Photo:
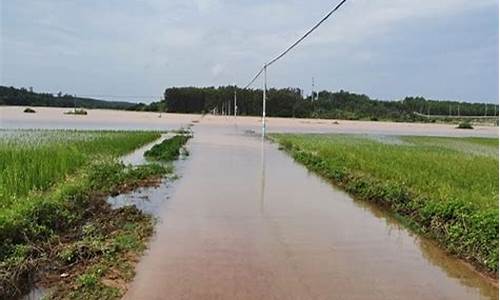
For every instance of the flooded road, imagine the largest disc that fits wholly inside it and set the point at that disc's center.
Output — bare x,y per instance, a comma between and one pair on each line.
246,222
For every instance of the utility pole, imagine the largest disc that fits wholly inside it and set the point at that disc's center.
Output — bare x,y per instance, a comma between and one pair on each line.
459,110
264,102
235,104
486,109
312,89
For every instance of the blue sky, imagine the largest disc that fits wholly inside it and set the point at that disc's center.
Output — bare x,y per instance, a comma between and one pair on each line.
387,49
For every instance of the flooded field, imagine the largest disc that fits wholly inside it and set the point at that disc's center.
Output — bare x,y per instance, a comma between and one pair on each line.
246,222
13,117
54,118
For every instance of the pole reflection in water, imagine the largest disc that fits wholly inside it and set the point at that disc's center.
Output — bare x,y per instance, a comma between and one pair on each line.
262,172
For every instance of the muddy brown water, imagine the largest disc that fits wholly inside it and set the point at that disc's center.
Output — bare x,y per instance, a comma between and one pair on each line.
246,222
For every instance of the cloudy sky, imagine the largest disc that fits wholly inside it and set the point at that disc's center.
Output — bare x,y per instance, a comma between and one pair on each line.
134,49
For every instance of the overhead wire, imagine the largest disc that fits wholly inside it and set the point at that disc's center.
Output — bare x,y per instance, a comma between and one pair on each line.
272,61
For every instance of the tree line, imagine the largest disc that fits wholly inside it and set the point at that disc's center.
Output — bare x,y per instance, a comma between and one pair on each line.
285,102
27,97
289,102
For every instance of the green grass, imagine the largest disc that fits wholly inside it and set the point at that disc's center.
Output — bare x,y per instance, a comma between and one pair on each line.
167,150
51,181
445,187
34,160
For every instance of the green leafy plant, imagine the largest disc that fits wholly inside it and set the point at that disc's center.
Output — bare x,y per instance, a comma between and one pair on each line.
167,150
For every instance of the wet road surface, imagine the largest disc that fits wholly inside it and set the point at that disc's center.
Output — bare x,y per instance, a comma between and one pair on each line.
246,222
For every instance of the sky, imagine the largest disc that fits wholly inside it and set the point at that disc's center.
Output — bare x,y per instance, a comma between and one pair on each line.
133,49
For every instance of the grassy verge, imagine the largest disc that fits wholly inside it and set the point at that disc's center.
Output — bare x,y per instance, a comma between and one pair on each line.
169,149
90,254
446,188
52,185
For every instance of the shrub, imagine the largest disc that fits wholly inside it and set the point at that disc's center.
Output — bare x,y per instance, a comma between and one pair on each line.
29,110
465,125
167,150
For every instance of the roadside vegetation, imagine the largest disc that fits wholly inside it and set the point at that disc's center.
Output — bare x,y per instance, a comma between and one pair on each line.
169,149
55,225
445,188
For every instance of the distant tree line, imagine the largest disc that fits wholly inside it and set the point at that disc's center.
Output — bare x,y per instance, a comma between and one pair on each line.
290,102
286,102
27,97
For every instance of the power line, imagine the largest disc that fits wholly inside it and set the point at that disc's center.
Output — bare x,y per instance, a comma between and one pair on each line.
307,33
272,61
296,43
254,78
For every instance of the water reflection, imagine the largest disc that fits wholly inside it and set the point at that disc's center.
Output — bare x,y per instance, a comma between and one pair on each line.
262,173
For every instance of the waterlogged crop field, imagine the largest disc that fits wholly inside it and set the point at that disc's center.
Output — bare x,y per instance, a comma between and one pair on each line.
33,160
52,188
446,188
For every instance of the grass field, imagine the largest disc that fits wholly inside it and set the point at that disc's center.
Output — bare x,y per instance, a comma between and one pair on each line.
34,160
52,182
446,188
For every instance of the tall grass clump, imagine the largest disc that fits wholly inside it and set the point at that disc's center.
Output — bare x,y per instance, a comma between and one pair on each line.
446,188
168,149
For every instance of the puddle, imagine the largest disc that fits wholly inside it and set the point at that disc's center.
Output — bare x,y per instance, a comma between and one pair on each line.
148,199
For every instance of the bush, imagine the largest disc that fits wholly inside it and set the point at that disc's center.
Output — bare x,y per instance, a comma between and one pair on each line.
29,110
167,150
465,125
